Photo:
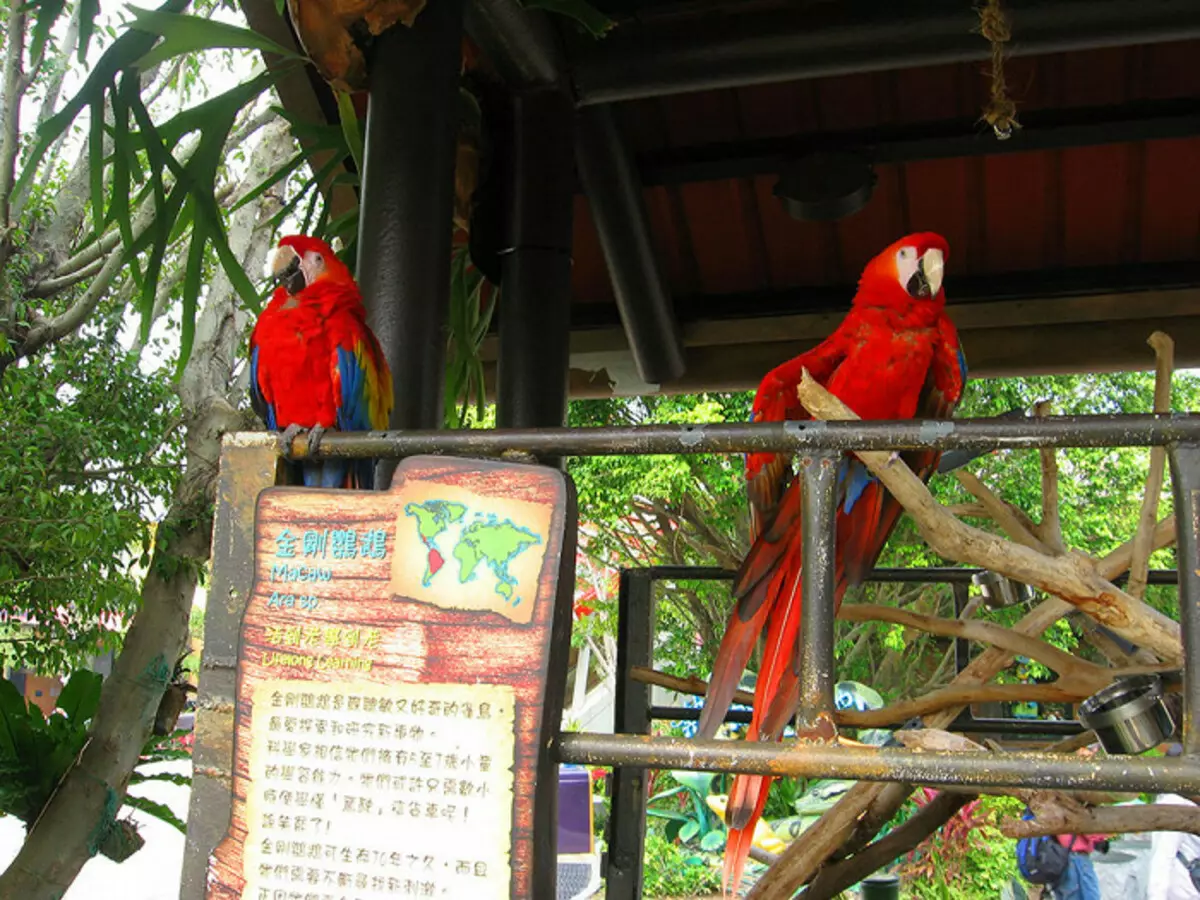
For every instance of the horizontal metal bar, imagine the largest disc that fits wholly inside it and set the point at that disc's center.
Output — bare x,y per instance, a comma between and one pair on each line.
965,725
945,769
784,42
965,434
1040,130
920,575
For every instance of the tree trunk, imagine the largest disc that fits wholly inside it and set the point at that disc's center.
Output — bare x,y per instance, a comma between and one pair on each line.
84,807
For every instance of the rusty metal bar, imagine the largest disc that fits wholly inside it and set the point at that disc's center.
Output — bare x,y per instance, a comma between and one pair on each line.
1185,481
942,769
814,654
776,437
918,575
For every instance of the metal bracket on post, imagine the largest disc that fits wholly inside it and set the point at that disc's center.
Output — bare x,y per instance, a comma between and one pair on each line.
1185,481
814,658
627,818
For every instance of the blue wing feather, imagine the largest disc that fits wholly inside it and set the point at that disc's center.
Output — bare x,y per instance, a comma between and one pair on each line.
257,400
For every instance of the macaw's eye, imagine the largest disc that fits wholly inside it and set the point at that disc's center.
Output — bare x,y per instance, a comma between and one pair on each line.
907,253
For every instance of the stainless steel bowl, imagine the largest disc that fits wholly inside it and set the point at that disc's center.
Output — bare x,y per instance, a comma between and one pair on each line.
1000,592
1128,716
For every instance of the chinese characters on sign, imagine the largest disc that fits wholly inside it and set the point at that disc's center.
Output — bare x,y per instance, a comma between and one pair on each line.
364,791
300,554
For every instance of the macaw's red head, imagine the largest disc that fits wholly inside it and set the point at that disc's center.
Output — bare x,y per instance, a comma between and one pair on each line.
909,270
299,262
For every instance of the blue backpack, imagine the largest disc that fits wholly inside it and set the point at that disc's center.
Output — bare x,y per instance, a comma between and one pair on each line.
1041,860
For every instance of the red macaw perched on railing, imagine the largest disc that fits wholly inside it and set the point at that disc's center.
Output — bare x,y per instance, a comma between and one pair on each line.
314,362
895,356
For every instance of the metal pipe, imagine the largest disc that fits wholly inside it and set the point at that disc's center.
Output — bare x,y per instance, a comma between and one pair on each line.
631,712
918,575
405,213
938,768
814,658
535,316
614,192
1185,482
966,725
817,40
952,139
775,437
519,42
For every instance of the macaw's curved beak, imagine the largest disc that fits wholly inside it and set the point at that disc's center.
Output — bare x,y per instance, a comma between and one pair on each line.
283,267
927,280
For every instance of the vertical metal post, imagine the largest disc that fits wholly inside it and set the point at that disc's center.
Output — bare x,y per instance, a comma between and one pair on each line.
627,819
1185,481
613,186
406,208
815,653
962,647
535,318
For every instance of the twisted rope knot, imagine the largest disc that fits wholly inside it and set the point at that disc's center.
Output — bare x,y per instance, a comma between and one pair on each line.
1001,110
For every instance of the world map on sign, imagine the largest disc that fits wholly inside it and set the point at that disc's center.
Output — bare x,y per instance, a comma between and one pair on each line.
480,543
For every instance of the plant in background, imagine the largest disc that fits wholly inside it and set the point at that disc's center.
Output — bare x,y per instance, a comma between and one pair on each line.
37,750
966,858
671,871
691,821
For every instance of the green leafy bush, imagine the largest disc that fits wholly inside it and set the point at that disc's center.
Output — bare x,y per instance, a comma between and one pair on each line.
37,750
673,871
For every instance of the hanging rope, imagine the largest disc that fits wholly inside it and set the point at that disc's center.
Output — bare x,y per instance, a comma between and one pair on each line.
1000,111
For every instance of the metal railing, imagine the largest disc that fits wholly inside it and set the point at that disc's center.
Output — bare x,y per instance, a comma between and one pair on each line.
819,444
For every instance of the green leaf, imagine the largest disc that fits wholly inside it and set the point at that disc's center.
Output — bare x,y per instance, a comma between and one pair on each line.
48,13
80,696
14,716
689,830
96,161
581,11
123,53
350,129
191,288
182,33
160,811
713,841
88,10
284,171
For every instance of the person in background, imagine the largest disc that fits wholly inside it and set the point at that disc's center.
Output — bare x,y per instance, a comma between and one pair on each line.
1170,854
1079,881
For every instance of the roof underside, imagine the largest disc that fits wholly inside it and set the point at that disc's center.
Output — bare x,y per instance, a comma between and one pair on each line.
1070,242
1062,259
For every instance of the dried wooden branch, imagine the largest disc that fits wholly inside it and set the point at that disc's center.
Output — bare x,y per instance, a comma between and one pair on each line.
1071,669
1071,576
970,510
1000,512
832,880
802,858
1120,559
697,687
1164,353
1050,528
1062,816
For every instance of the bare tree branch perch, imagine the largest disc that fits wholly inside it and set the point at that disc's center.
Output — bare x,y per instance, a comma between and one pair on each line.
1071,576
1164,354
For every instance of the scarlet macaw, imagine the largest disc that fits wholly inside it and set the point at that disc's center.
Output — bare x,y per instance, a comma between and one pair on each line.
895,356
314,362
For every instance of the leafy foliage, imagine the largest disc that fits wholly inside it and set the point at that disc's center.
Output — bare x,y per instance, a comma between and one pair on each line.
37,750
671,871
83,466
968,857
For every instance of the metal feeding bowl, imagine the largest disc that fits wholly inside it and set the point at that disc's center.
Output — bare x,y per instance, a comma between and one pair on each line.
1128,716
1000,592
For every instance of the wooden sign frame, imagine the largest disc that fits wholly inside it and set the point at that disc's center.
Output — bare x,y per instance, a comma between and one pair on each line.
433,595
